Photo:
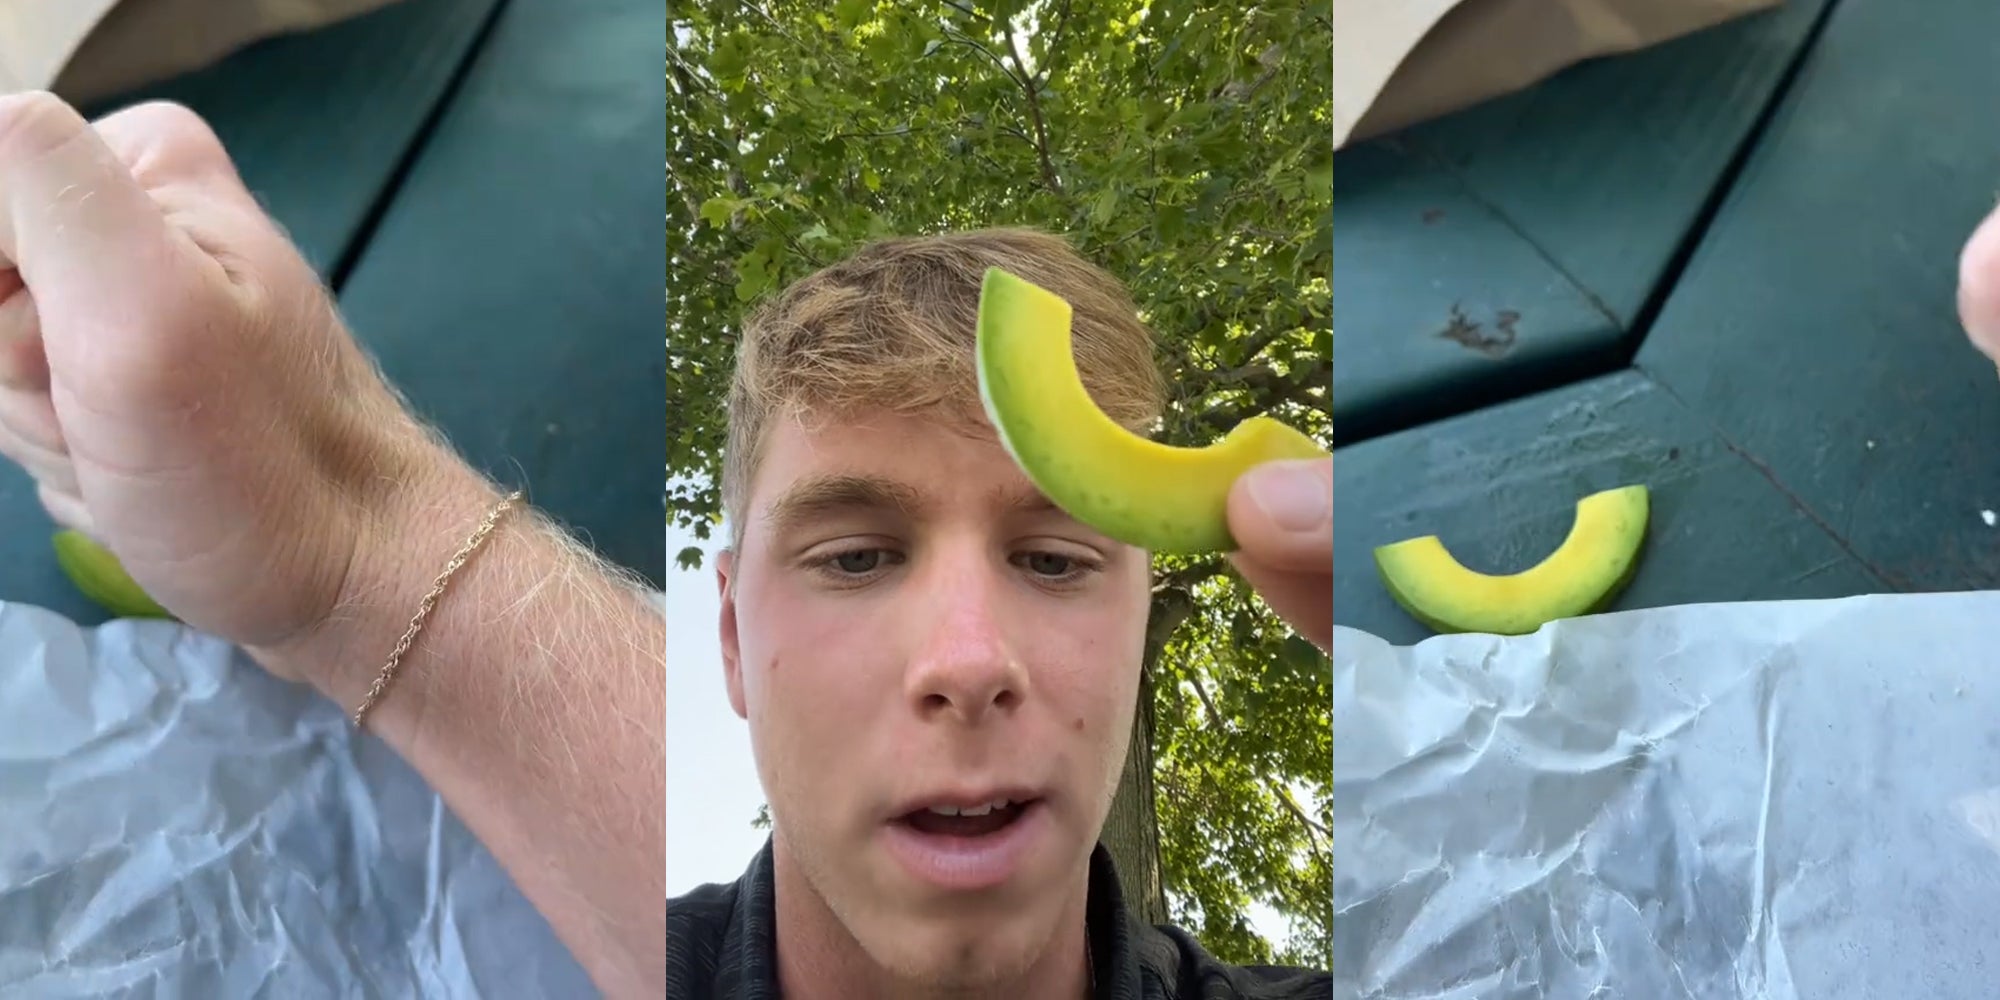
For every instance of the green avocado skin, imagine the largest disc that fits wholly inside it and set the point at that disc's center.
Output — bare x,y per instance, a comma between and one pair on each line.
1092,496
1428,620
1409,606
1164,500
1118,509
97,574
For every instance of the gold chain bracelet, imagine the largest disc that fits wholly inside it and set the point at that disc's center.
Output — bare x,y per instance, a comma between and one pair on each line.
388,674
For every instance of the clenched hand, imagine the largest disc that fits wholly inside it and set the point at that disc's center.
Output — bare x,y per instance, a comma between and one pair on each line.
175,377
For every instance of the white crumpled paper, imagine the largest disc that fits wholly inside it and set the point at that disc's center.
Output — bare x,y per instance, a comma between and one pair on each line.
175,823
1757,800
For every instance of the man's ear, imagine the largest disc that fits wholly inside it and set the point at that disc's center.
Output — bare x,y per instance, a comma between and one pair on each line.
732,655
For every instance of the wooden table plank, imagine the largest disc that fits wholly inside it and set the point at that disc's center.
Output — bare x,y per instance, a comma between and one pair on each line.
318,124
1816,327
1546,219
514,290
1606,168
1499,487
1419,333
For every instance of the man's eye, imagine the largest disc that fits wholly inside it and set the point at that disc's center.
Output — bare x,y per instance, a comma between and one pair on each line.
1049,563
858,561
854,567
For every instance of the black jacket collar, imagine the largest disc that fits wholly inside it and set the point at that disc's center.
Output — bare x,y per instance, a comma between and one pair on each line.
722,945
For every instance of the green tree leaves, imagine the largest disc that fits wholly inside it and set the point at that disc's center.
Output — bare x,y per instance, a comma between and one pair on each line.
1185,145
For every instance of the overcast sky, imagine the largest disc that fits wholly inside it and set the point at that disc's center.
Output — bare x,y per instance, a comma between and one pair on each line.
712,791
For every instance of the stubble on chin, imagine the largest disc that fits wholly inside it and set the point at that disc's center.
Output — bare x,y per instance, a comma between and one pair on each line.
902,952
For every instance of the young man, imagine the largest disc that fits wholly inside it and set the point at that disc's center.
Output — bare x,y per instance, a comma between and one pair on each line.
913,632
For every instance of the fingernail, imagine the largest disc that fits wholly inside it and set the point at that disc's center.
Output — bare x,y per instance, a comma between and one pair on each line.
1292,495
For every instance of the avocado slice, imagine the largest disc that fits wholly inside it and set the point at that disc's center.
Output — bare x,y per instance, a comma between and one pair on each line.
1155,496
1582,575
97,573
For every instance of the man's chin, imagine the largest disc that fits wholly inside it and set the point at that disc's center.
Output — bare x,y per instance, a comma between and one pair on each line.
970,945
973,942
962,957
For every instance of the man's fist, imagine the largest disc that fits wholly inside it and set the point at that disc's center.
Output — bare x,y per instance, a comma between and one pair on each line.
1979,286
175,376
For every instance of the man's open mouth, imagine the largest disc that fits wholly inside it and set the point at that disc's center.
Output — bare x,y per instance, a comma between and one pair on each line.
970,840
973,821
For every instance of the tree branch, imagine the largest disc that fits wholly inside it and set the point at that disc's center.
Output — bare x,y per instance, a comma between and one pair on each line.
1186,578
792,242
1016,132
1208,705
1255,344
782,31
1032,89
1055,41
1285,796
1206,417
900,130
1171,608
1259,379
1237,92
958,39
963,122
1313,830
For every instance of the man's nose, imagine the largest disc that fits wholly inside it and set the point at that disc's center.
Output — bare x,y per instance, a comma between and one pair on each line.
964,662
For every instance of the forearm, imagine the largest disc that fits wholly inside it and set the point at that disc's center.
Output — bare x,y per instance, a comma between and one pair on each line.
532,701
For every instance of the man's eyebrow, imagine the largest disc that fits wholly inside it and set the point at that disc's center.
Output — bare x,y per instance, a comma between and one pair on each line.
1027,501
823,495
1033,503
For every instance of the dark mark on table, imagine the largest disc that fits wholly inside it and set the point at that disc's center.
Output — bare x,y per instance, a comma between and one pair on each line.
1466,333
1432,216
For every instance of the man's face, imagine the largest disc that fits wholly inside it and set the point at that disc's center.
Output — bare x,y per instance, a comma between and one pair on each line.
913,625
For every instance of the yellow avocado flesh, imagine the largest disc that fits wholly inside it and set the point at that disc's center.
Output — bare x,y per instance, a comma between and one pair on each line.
1582,575
98,574
1141,492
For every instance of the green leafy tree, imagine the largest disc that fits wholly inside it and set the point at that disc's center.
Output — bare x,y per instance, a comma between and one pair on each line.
1183,144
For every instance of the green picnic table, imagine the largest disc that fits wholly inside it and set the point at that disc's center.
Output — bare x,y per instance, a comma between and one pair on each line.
1723,267
479,182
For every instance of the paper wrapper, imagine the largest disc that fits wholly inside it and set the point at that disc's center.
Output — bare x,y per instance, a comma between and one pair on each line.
90,50
174,822
1399,62
1783,800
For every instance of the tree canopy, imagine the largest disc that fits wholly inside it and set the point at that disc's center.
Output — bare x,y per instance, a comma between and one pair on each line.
1186,146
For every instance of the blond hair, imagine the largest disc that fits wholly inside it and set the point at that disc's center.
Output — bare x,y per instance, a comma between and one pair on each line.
891,328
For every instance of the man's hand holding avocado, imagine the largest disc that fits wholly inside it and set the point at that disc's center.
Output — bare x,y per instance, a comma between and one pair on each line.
1281,514
1263,492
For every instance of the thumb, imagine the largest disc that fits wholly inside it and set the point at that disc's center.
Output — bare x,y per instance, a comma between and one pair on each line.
88,241
1282,514
1979,286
